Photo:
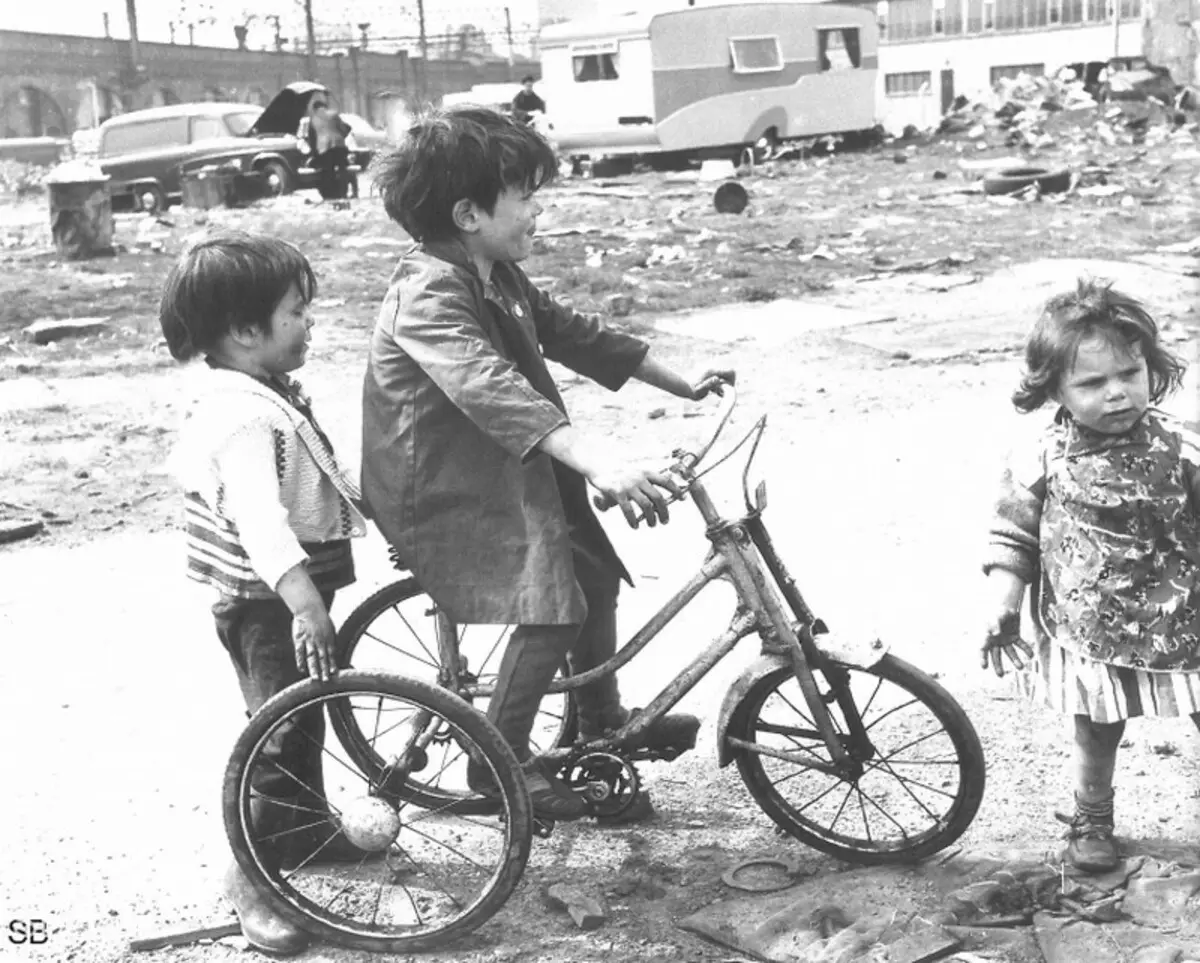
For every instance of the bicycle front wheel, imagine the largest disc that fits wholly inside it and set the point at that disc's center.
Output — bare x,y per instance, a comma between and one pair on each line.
406,878
921,779
395,630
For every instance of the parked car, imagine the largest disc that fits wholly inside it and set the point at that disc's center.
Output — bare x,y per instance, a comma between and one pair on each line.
147,152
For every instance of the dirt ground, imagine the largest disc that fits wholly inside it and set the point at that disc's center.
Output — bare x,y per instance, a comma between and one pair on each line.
119,710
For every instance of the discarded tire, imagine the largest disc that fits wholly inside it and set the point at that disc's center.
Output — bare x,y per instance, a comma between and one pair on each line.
1012,179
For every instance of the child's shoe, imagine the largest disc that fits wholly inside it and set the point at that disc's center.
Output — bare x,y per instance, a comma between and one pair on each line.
672,734
549,796
1091,846
263,930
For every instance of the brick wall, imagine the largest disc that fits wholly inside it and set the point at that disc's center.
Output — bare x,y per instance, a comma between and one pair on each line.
58,84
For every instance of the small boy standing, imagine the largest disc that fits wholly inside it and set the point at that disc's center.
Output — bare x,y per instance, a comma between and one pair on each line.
269,517
471,468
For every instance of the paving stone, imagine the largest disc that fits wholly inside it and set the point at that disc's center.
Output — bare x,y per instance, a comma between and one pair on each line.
55,329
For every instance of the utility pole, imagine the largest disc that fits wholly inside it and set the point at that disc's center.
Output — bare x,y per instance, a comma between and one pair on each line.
424,44
107,32
508,33
131,14
362,29
312,40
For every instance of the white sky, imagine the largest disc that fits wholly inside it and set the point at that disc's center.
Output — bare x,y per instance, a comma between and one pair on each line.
215,19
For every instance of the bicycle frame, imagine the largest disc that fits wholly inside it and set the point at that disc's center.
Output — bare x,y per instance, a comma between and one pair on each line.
743,554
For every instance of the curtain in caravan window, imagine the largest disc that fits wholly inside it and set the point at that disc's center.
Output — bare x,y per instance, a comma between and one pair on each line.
850,41
839,49
589,67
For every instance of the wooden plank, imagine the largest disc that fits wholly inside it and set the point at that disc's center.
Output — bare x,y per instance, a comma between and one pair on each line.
188,936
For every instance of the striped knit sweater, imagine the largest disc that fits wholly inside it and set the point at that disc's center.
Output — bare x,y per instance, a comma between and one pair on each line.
263,490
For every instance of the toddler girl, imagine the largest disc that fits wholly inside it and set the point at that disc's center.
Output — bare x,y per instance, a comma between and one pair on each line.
1099,518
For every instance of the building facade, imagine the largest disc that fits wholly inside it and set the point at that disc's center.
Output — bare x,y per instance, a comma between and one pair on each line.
932,51
52,85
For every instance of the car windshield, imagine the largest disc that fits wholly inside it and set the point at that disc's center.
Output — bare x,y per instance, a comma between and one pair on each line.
242,121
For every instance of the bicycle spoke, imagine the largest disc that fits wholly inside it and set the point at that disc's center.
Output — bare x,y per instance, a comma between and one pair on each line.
916,782
915,742
886,814
436,877
413,632
431,661
892,711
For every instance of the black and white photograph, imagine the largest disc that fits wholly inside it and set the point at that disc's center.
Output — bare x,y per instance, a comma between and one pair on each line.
579,481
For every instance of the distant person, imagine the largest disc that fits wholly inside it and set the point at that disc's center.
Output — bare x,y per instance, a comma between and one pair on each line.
269,516
526,103
326,137
1099,517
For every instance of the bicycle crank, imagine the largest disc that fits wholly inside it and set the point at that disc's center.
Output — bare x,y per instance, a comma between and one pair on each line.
607,782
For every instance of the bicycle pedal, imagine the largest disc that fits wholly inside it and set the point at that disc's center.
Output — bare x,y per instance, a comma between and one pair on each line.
542,828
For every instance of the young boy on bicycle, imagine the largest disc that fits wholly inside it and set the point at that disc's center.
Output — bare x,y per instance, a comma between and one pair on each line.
269,518
471,467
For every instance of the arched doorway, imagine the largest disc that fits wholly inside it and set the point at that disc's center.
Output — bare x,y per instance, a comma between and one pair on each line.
165,97
31,112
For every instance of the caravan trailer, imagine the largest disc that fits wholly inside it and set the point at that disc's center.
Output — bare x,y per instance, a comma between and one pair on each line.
709,78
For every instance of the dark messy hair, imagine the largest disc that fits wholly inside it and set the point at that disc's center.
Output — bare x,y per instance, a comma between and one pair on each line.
1068,319
527,79
467,153
232,281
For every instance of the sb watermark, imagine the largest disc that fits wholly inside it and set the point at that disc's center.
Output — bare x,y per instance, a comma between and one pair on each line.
27,932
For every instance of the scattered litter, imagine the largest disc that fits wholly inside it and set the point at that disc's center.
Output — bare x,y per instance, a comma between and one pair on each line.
46,330
353,242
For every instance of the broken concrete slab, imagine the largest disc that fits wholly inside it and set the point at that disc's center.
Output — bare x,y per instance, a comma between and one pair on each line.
585,908
1165,901
771,322
46,330
997,313
1067,940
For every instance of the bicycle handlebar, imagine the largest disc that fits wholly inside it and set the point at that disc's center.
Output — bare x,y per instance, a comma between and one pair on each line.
686,461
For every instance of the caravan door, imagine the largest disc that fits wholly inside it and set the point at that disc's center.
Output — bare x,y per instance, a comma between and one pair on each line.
602,97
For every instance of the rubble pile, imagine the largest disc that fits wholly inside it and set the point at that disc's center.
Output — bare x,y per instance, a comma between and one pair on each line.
1035,112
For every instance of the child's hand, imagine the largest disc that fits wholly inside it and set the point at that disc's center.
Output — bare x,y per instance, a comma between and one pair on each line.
632,486
313,635
1004,639
711,380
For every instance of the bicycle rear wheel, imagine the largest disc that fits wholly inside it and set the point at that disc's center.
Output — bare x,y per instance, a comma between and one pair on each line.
395,630
425,877
919,788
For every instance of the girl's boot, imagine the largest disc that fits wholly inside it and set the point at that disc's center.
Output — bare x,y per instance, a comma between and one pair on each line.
1091,846
264,931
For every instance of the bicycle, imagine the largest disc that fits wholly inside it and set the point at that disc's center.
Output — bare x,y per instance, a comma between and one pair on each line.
898,767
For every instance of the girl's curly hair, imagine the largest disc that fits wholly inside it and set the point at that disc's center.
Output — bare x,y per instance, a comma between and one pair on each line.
1093,308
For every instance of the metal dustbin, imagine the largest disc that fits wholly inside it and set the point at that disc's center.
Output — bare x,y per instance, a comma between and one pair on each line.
208,186
81,216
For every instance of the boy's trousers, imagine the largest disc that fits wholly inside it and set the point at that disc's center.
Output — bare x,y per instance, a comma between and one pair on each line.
536,652
257,634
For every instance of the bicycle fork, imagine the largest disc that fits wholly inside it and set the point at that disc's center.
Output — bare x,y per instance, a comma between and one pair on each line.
734,541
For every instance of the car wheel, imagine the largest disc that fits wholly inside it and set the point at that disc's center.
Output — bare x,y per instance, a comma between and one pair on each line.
150,199
279,178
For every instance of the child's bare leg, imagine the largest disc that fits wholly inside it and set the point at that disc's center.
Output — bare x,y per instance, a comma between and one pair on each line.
1095,758
1092,846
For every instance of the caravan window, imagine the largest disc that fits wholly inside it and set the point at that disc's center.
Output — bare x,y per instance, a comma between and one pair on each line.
839,49
755,55
595,66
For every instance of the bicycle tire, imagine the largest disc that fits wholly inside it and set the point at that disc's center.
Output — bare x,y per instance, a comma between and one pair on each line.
451,787
296,894
775,797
